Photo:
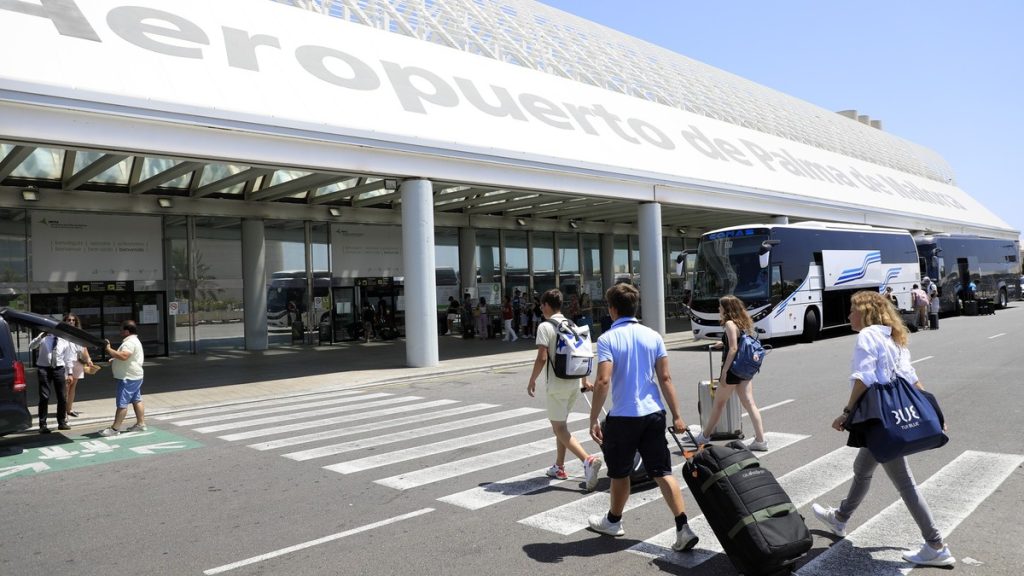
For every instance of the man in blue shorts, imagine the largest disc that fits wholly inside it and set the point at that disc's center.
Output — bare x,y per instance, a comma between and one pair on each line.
126,364
631,358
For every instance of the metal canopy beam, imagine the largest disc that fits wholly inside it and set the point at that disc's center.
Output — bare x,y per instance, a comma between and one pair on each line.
99,166
164,177
14,158
310,181
228,181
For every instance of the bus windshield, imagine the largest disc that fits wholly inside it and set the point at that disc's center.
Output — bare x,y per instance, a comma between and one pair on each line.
730,265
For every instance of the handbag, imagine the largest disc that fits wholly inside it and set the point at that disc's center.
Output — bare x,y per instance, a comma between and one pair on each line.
897,419
91,369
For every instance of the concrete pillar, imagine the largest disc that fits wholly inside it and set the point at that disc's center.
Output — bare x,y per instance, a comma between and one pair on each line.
254,284
652,267
467,259
607,262
420,280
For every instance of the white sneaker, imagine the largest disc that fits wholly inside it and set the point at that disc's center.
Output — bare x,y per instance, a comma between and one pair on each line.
136,428
701,439
756,446
827,516
600,523
685,539
557,472
108,432
591,468
928,556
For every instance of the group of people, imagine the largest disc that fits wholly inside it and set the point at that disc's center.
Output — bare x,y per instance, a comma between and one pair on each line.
633,369
519,314
377,321
61,365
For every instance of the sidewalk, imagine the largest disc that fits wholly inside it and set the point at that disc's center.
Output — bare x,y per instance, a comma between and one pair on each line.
233,376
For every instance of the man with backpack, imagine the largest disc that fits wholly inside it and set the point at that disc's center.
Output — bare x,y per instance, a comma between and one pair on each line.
633,365
561,392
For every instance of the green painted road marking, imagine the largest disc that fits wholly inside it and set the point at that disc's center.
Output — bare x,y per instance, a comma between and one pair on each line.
89,449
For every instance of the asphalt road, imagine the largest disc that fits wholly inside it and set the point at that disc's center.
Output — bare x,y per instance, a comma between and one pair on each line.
194,499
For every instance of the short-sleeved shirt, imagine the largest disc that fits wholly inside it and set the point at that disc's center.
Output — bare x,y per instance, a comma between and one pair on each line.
546,336
130,369
633,349
876,355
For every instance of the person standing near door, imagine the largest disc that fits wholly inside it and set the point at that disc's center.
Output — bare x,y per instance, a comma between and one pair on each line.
126,364
53,364
76,371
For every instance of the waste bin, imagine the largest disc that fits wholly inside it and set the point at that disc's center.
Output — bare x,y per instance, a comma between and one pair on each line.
325,334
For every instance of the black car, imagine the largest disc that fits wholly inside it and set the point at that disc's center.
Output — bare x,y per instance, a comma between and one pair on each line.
14,415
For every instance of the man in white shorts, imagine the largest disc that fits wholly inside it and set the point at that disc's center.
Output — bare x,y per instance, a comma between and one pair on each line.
561,394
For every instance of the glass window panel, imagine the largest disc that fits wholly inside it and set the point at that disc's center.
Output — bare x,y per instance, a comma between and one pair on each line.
116,174
568,263
634,255
593,284
218,283
517,263
153,166
488,265
43,163
214,172
543,261
13,260
282,176
620,263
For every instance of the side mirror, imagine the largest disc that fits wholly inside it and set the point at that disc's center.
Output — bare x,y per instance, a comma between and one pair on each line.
766,248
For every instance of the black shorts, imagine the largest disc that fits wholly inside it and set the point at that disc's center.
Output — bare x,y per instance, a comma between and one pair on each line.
624,436
731,378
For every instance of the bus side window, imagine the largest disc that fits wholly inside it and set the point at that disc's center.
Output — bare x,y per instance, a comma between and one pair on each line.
776,282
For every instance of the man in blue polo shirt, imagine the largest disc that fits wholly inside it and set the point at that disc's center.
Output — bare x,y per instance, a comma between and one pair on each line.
633,362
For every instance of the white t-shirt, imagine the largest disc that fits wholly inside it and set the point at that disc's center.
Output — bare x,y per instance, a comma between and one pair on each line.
876,355
130,369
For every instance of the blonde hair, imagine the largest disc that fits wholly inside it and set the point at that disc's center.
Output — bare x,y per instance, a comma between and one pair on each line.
875,309
734,309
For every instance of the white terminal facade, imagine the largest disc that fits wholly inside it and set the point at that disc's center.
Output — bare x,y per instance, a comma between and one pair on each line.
171,162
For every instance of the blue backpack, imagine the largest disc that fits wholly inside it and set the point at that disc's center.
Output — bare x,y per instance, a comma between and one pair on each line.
749,357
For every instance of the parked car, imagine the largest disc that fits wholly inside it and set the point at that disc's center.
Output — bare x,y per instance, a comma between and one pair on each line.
14,415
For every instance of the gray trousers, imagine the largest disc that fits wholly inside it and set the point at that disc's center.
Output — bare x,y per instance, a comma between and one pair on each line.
902,478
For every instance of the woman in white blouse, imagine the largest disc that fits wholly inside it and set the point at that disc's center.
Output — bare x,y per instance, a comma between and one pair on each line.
881,350
77,372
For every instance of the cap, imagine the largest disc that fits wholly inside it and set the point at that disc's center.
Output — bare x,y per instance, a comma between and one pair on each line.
926,279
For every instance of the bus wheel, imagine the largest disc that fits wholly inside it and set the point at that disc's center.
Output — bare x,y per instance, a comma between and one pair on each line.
1003,301
811,326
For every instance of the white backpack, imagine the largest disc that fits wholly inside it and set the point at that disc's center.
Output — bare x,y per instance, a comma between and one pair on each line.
574,355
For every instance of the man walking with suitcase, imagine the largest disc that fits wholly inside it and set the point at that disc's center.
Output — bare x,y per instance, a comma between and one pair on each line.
631,357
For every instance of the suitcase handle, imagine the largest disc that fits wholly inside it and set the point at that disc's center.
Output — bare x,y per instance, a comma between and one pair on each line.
686,453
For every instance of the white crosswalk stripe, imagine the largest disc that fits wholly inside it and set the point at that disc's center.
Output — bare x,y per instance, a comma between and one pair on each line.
403,436
249,404
279,409
450,470
305,414
350,430
572,517
497,492
444,446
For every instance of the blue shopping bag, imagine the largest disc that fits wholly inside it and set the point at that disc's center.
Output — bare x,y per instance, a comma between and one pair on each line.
896,419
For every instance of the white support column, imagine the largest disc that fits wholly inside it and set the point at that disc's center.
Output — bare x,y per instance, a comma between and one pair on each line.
420,280
254,284
652,269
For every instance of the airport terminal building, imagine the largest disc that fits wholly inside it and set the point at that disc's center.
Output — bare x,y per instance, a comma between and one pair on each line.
218,171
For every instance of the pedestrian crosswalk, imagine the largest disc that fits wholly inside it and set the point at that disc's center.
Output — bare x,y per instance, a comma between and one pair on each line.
490,455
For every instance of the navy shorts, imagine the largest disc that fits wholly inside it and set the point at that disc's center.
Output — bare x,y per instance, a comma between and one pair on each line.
624,436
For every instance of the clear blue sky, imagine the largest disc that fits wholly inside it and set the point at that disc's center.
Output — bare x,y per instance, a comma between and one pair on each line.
946,74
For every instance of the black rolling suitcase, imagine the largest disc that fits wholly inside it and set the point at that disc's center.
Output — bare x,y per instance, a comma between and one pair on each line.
752,516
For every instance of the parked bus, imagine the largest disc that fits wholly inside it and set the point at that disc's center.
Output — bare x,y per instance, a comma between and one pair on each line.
953,260
797,279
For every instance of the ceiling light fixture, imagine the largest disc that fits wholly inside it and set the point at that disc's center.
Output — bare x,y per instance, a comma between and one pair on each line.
681,231
520,222
165,202
30,194
574,224
391,184
334,211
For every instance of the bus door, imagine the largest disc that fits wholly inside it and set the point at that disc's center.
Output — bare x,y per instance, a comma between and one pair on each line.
963,268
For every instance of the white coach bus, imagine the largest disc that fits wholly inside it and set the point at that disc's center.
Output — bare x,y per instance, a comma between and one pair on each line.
797,279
